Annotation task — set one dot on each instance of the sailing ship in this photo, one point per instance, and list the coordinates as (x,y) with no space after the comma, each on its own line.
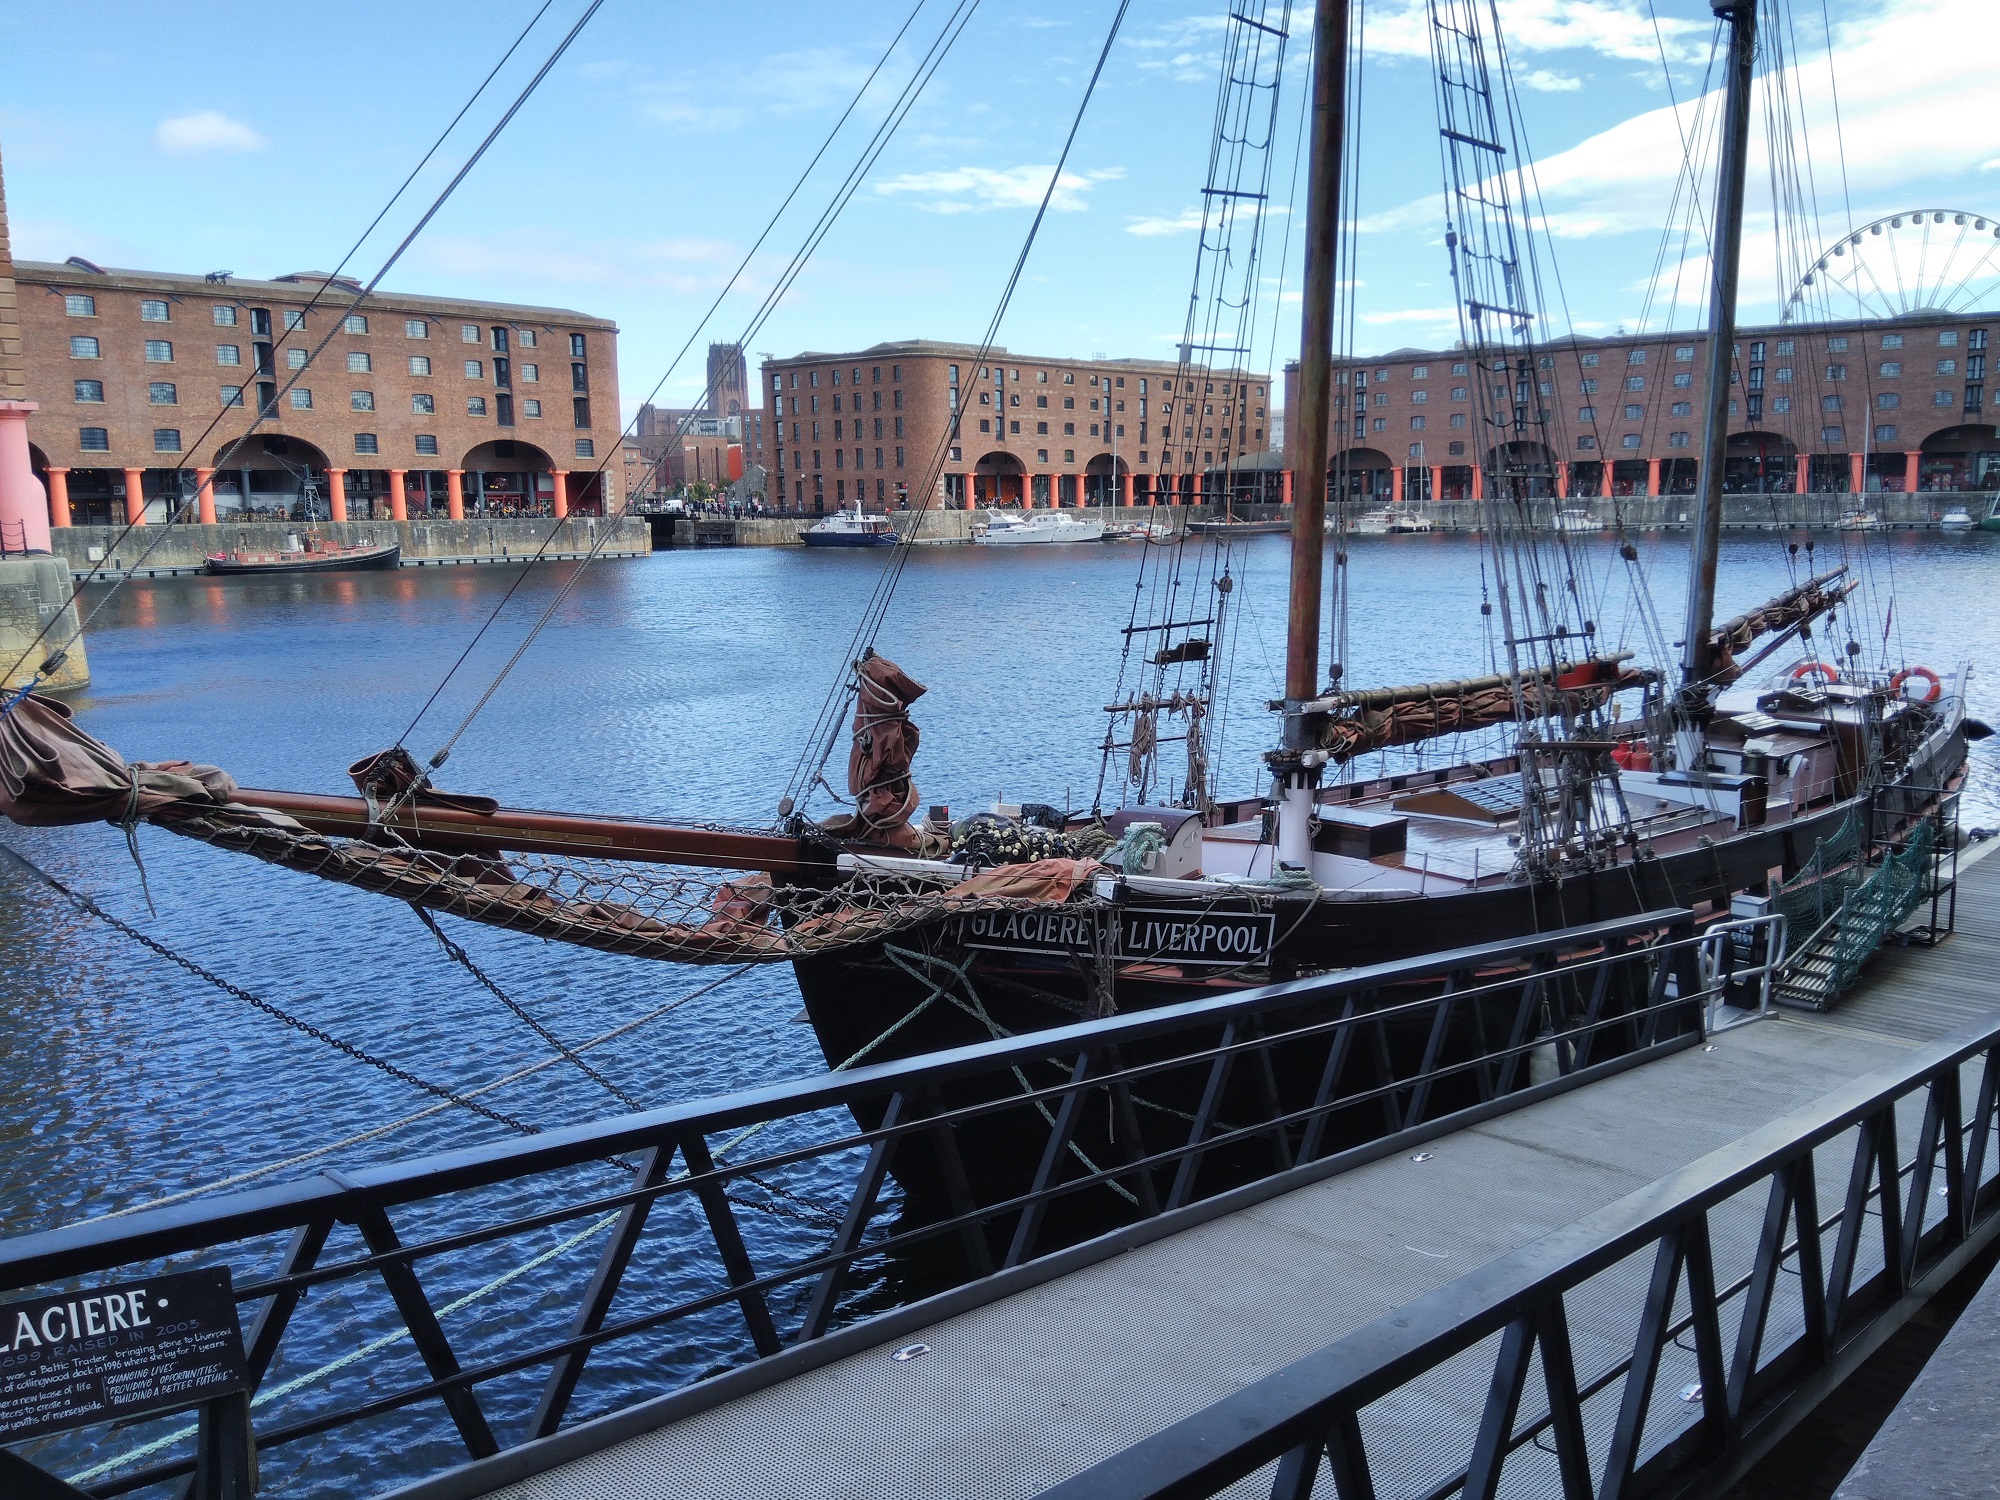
(1742,772)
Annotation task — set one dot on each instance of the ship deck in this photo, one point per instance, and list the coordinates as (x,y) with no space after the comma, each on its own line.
(1033,1387)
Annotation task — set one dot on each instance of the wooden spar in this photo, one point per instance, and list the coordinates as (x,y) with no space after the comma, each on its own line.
(1741,18)
(1606,669)
(1329,115)
(459,830)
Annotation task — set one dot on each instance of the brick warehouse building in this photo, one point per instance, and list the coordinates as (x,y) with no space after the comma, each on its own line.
(1840,407)
(682,445)
(417,405)
(1014,430)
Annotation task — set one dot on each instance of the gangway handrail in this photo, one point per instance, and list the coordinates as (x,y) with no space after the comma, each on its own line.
(1310,1418)
(1624,991)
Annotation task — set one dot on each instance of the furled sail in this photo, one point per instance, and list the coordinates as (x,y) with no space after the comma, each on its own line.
(1377,718)
(878,763)
(1789,611)
(52,773)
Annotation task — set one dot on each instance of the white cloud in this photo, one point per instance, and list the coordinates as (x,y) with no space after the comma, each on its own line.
(1620,29)
(959,190)
(1186,220)
(206,130)
(1549,81)
(785,83)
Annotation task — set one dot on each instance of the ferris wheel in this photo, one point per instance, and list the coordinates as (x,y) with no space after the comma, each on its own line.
(1929,260)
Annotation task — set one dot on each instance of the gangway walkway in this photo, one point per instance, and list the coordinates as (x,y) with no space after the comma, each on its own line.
(1025,1392)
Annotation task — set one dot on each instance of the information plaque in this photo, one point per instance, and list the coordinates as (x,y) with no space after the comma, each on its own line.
(102,1353)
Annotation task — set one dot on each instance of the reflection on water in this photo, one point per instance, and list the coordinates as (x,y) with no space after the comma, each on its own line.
(678,685)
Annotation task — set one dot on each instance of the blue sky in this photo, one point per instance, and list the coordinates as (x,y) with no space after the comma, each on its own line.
(261,139)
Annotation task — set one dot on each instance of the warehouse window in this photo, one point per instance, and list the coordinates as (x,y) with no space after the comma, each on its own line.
(302,399)
(224,315)
(586,448)
(416,328)
(94,439)
(427,442)
(358,363)
(420,364)
(82,346)
(162,393)
(355,323)
(152,310)
(159,352)
(365,442)
(423,404)
(77,305)
(166,440)
(228,354)
(361,400)
(93,390)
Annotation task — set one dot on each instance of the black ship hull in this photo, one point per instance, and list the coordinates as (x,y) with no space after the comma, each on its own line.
(929,989)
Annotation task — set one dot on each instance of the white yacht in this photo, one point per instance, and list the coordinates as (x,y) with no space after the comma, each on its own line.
(1958,518)
(1034,527)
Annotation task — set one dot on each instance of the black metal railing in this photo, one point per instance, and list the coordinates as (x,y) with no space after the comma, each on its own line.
(1651,1267)
(764,1218)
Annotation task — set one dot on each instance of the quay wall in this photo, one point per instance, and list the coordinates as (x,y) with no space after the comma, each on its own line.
(34,591)
(1896,512)
(160,551)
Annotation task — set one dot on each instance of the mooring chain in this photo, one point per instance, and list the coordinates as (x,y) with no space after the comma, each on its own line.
(568,1053)
(400,1074)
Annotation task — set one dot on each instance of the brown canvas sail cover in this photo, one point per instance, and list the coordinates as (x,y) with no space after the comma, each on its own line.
(1797,607)
(1382,717)
(51,772)
(878,762)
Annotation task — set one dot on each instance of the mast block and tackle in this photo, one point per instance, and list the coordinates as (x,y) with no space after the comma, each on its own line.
(1740,16)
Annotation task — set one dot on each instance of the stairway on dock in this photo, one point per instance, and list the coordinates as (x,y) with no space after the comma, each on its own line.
(1009,1398)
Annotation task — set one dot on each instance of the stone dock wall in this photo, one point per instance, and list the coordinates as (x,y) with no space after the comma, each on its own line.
(34,591)
(1916,512)
(161,551)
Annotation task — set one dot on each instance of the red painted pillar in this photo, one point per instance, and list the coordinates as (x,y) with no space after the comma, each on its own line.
(454,501)
(399,505)
(1396,485)
(1125,488)
(1652,476)
(336,493)
(1285,487)
(1855,478)
(24,508)
(1910,473)
(1478,482)
(135,497)
(1803,484)
(204,494)
(562,493)
(1562,481)
(59,512)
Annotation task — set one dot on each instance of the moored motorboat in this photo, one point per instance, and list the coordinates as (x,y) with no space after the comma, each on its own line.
(1036,528)
(851,528)
(1958,518)
(305,554)
(1230,526)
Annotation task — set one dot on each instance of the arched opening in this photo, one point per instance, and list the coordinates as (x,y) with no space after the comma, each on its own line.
(1359,474)
(1525,468)
(1759,463)
(1102,478)
(1000,479)
(266,477)
(508,477)
(1960,458)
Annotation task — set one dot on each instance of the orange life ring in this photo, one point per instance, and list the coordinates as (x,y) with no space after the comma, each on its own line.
(1819,669)
(1936,688)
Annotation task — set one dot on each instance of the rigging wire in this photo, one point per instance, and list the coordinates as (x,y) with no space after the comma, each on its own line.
(824,221)
(808,770)
(314,300)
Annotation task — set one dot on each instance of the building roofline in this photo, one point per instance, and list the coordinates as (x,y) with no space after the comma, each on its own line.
(1001,355)
(299,286)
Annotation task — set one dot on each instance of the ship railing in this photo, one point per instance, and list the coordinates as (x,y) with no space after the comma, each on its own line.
(714,1247)
(1715,1357)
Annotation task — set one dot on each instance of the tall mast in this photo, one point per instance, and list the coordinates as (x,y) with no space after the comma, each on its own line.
(1329,111)
(1297,765)
(1741,18)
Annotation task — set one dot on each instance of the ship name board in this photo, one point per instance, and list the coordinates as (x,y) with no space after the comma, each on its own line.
(1145,934)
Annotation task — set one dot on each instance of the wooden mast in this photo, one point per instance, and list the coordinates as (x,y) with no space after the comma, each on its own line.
(1329,109)
(1741,18)
(1297,765)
